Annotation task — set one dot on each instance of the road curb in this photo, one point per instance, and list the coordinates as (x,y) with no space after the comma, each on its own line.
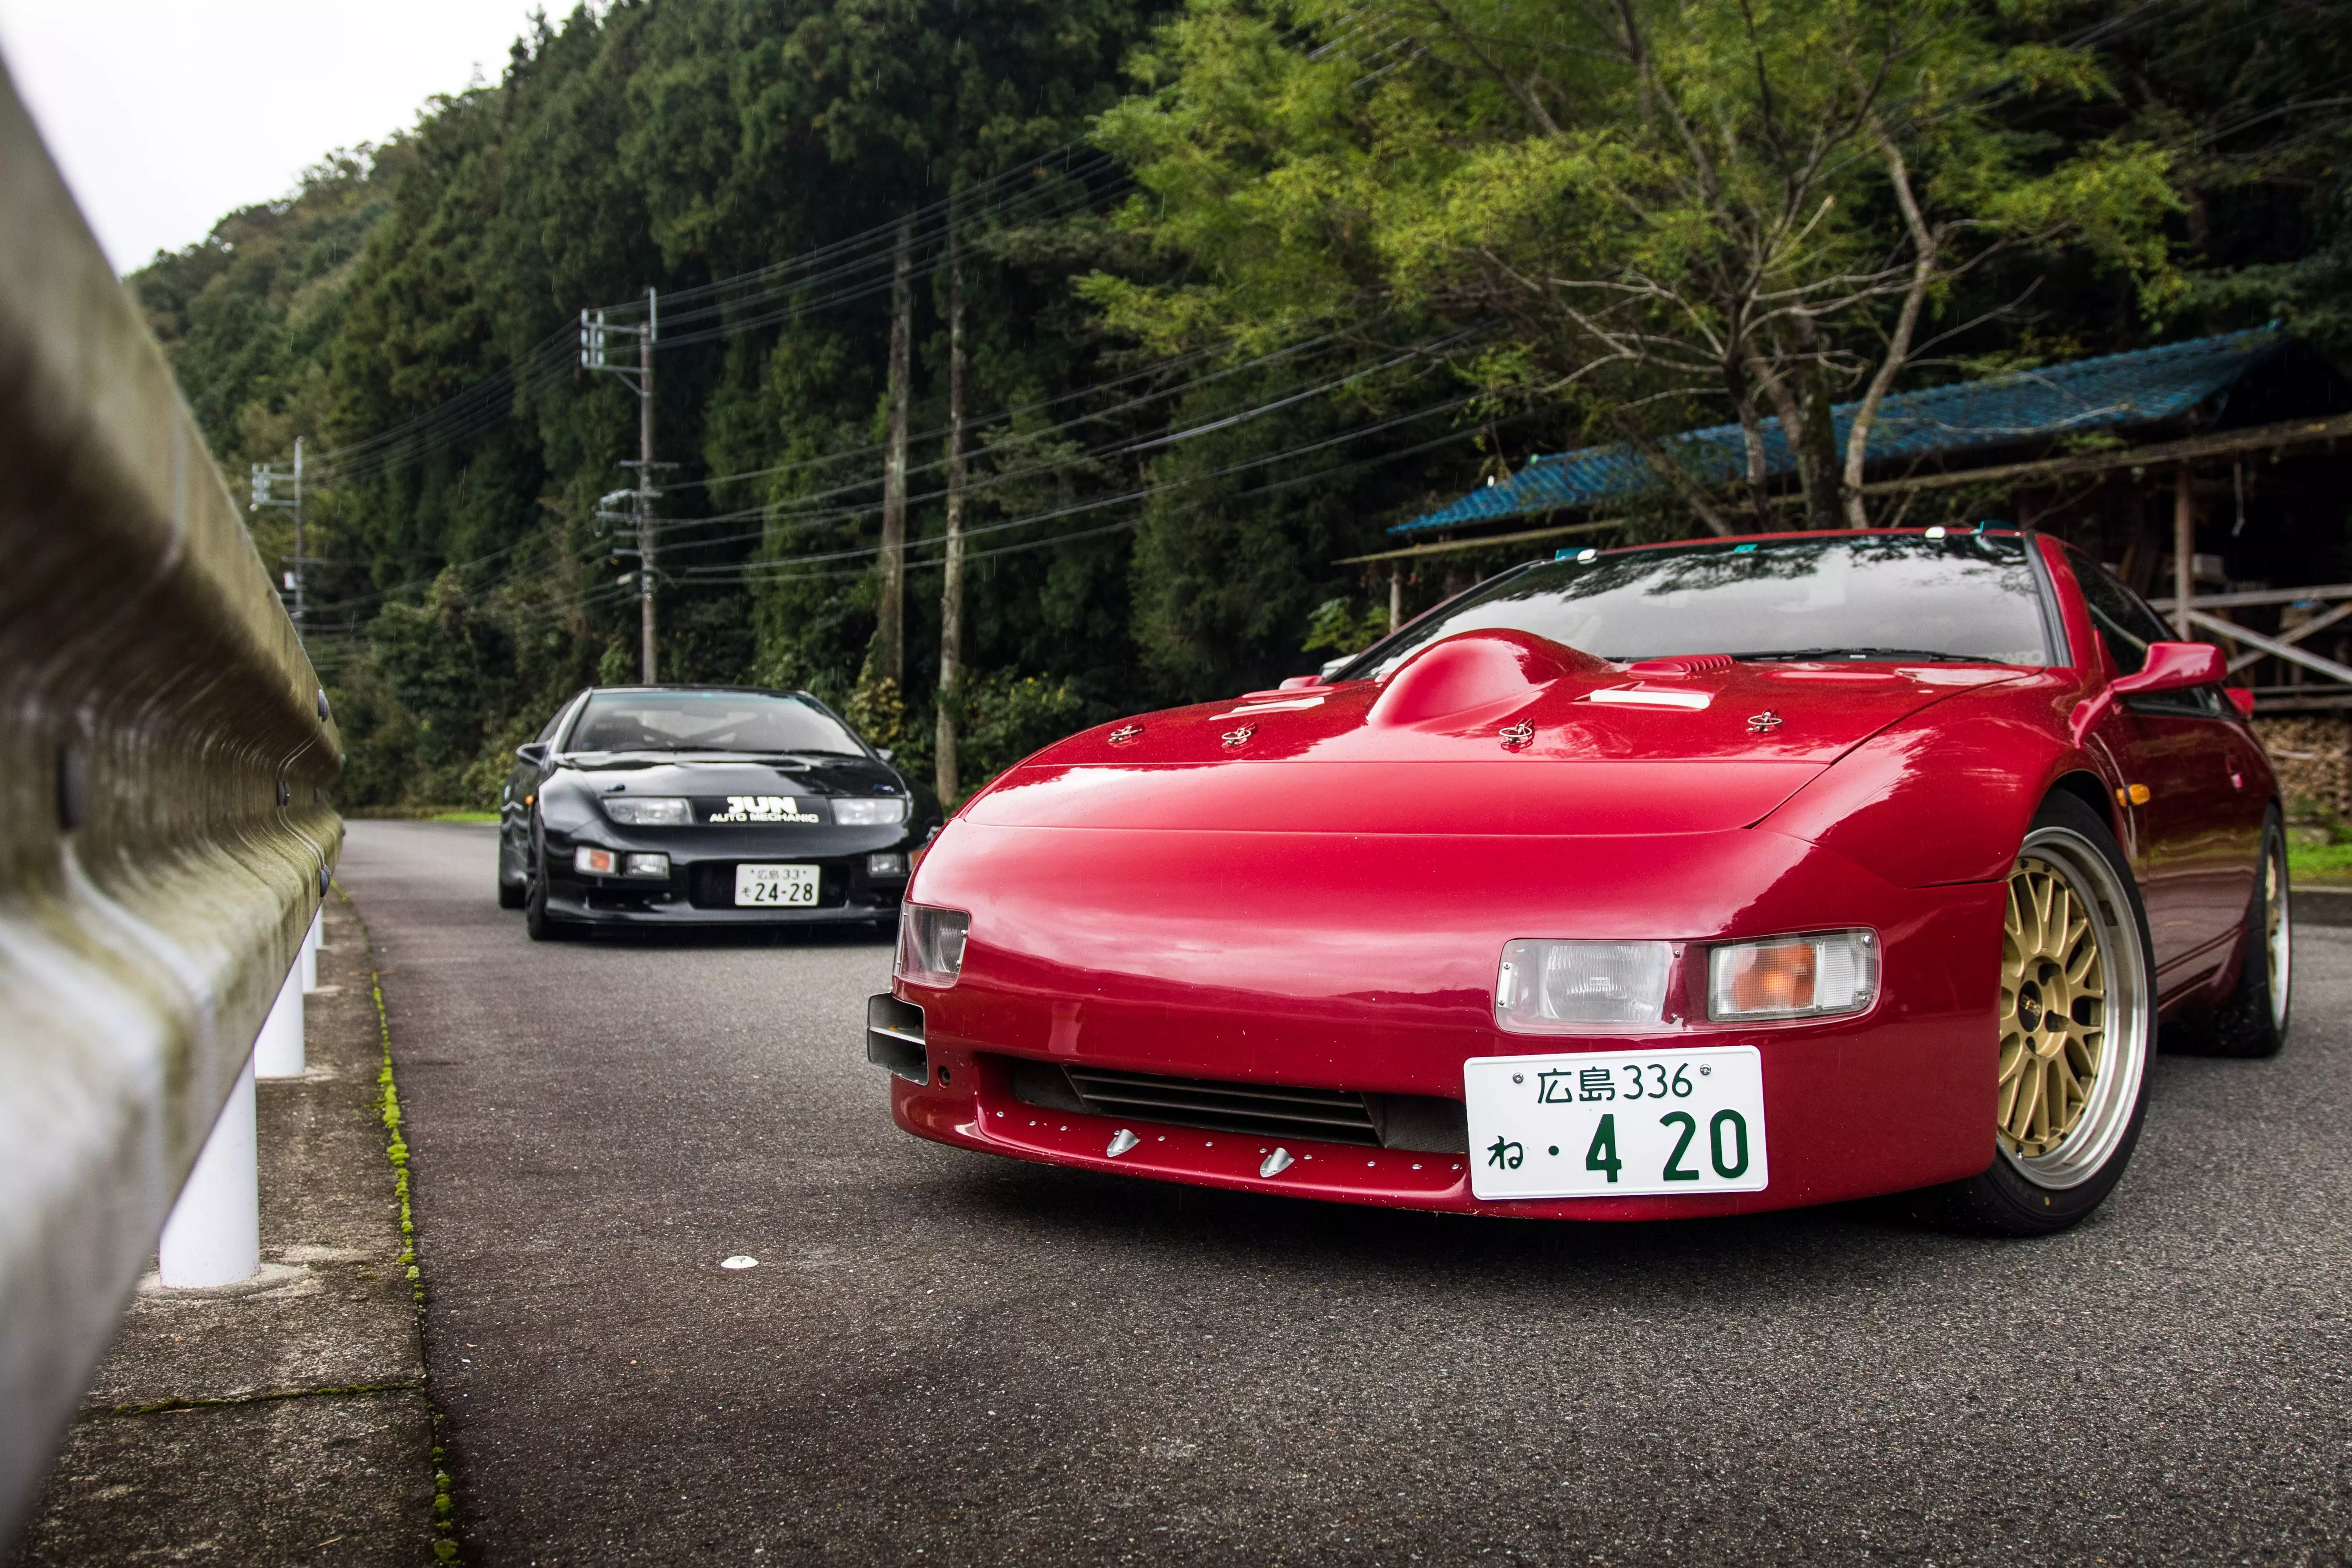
(2324,906)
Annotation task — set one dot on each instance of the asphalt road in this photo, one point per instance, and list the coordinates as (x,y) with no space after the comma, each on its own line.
(947,1358)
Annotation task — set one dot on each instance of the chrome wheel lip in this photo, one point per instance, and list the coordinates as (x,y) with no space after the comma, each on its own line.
(2278,903)
(2099,1132)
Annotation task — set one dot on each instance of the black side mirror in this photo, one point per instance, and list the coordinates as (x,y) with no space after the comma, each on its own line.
(532,753)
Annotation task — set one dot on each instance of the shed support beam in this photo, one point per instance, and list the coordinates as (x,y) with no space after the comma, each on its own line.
(2184,549)
(2287,651)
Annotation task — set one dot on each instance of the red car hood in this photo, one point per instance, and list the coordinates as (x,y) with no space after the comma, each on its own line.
(1485,733)
(1315,886)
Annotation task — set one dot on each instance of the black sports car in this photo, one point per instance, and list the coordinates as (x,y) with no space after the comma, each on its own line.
(663,806)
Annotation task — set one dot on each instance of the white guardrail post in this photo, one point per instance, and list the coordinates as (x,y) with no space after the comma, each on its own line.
(165,839)
(312,941)
(278,1049)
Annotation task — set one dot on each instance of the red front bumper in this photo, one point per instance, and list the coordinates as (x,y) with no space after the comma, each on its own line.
(1132,952)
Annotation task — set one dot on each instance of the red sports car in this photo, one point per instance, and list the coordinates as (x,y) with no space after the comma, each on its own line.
(1684,879)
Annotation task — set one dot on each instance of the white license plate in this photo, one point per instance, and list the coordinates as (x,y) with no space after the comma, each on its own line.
(1616,1123)
(776,887)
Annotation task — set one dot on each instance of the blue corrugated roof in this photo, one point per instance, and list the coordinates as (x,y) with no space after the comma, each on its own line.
(2087,394)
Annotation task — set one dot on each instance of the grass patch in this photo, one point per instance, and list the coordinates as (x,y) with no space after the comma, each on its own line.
(417,814)
(395,1152)
(2319,862)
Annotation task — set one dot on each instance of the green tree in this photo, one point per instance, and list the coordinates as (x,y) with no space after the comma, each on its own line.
(1663,206)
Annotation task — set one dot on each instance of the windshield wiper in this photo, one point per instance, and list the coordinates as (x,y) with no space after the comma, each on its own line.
(1934,654)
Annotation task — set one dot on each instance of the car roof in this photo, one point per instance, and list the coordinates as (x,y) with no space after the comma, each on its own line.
(1980,529)
(702,685)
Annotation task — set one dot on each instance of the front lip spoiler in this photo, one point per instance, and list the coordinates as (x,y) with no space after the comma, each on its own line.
(681,913)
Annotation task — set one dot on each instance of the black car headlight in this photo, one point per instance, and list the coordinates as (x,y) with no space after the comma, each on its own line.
(651,811)
(886,810)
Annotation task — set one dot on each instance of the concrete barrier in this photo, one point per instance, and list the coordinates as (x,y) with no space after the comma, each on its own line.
(164,833)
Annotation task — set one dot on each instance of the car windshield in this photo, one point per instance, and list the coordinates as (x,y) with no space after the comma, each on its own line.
(706,721)
(1968,597)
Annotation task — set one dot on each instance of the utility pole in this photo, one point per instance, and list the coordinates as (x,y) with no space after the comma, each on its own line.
(597,335)
(890,614)
(265,493)
(646,485)
(951,568)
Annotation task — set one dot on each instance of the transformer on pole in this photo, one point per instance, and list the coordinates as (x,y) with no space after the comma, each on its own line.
(598,336)
(265,476)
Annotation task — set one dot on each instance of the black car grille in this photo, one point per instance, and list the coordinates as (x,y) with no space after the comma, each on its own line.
(1269,1110)
(711,885)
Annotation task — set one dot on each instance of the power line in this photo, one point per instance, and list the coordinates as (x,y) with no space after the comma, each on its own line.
(1190,509)
(857,264)
(756,570)
(1125,446)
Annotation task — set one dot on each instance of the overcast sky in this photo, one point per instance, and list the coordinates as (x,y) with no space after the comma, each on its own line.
(165,114)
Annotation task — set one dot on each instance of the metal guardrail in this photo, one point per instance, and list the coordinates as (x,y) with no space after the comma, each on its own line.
(165,835)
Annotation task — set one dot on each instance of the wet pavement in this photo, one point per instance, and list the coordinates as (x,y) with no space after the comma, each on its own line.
(944,1357)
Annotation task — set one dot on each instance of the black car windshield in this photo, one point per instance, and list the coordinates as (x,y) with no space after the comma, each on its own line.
(706,721)
(1876,595)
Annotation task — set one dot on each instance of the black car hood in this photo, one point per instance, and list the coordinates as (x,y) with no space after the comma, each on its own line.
(709,774)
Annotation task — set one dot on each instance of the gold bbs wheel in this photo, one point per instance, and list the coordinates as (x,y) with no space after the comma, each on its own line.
(2054,1008)
(2074,1019)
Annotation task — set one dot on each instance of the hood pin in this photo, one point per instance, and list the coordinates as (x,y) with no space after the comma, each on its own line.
(1519,734)
(1763,723)
(1120,1142)
(1124,734)
(1274,1164)
(1236,737)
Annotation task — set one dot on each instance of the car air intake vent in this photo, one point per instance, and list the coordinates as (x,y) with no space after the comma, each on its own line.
(1331,1116)
(1272,1110)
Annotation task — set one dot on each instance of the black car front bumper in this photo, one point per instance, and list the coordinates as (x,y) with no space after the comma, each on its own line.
(700,886)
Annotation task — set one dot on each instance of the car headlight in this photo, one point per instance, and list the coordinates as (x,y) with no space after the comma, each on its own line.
(650,811)
(930,943)
(1554,987)
(1813,976)
(882,812)
(596,862)
(889,863)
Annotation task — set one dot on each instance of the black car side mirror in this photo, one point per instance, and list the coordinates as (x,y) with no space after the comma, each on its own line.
(533,753)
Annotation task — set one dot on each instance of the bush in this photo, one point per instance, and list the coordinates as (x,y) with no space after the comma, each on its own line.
(1001,718)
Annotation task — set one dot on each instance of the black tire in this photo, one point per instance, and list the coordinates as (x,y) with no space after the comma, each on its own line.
(2254,1021)
(2033,1188)
(511,895)
(536,922)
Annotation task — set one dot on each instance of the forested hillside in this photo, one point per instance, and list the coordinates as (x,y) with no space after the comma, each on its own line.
(1238,282)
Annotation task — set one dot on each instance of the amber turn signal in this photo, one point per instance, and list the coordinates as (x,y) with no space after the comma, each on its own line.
(1794,976)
